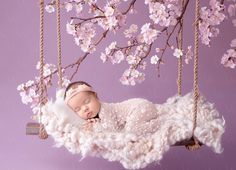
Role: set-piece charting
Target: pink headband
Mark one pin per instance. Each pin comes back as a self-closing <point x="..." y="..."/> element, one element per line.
<point x="73" y="91"/>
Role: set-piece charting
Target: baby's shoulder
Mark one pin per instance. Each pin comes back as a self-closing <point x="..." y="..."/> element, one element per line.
<point x="137" y="101"/>
<point x="129" y="102"/>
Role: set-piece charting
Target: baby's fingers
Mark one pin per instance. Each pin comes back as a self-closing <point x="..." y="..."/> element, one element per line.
<point x="90" y="120"/>
<point x="93" y="120"/>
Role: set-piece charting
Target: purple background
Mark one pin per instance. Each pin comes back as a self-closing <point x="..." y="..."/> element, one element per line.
<point x="19" y="34"/>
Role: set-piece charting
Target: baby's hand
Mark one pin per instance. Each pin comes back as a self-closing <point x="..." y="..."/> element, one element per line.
<point x="90" y="122"/>
<point x="88" y="126"/>
<point x="93" y="120"/>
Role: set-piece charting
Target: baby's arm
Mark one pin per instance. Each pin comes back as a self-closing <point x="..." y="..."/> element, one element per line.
<point x="90" y="124"/>
<point x="142" y="118"/>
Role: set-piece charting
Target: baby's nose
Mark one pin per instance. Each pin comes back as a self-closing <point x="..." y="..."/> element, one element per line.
<point x="85" y="108"/>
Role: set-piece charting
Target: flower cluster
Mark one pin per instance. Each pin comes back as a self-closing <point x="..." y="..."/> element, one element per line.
<point x="129" y="33"/>
<point x="134" y="53"/>
<point x="131" y="76"/>
<point x="89" y="16"/>
<point x="232" y="12"/>
<point x="84" y="35"/>
<point x="148" y="35"/>
<point x="84" y="31"/>
<point x="229" y="59"/>
<point x="165" y="12"/>
<point x="209" y="19"/>
<point x="30" y="91"/>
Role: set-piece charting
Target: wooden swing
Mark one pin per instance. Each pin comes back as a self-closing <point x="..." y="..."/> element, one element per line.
<point x="33" y="128"/>
<point x="38" y="128"/>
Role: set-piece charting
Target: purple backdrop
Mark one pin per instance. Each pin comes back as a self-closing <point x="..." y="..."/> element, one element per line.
<point x="19" y="34"/>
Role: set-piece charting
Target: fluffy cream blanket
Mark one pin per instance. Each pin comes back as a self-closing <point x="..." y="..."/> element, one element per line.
<point x="132" y="150"/>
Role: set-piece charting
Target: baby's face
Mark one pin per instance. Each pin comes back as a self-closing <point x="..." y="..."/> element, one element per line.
<point x="86" y="105"/>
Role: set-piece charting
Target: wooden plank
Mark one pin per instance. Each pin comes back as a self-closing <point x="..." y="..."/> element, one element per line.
<point x="186" y="142"/>
<point x="32" y="128"/>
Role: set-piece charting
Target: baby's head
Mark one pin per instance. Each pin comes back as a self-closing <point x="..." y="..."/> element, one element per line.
<point x="80" y="97"/>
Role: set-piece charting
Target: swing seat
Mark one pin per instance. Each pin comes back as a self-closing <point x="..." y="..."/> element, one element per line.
<point x="32" y="128"/>
<point x="187" y="142"/>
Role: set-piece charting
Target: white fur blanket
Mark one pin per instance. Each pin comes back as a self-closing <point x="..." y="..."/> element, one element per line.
<point x="135" y="152"/>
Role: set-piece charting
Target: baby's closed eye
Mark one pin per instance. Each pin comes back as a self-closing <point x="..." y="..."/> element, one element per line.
<point x="77" y="109"/>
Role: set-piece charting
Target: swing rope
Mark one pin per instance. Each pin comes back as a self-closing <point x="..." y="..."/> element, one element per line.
<point x="195" y="83"/>
<point x="180" y="46"/>
<point x="59" y="42"/>
<point x="193" y="141"/>
<point x="42" y="132"/>
<point x="195" y="71"/>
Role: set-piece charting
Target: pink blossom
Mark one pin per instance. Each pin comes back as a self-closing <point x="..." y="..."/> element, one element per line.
<point x="157" y="50"/>
<point x="70" y="28"/>
<point x="109" y="11"/>
<point x="103" y="57"/>
<point x="20" y="87"/>
<point x="214" y="32"/>
<point x="121" y="19"/>
<point x="36" y="109"/>
<point x="65" y="82"/>
<point x="111" y="47"/>
<point x="29" y="83"/>
<point x="131" y="59"/>
<point x="143" y="65"/>
<point x="188" y="55"/>
<point x="112" y="22"/>
<point x="148" y="35"/>
<point x="209" y="19"/>
<point x="50" y="8"/>
<point x="78" y="8"/>
<point x="132" y="30"/>
<point x="232" y="10"/>
<point x="77" y="41"/>
<point x="108" y="23"/>
<point x="233" y="43"/>
<point x="234" y="22"/>
<point x="164" y="13"/>
<point x="84" y="35"/>
<point x="90" y="2"/>
<point x="154" y="59"/>
<point x="229" y="59"/>
<point x="131" y="76"/>
<point x="117" y="57"/>
<point x="68" y="6"/>
<point x="178" y="53"/>
<point x="25" y="98"/>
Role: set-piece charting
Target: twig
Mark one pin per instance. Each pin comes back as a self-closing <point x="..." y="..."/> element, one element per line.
<point x="169" y="35"/>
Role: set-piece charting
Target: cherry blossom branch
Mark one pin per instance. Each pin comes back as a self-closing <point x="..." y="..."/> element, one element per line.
<point x="102" y="37"/>
<point x="78" y="62"/>
<point x="169" y="36"/>
<point x="146" y="55"/>
<point x="88" y="19"/>
<point x="95" y="6"/>
<point x="131" y="5"/>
